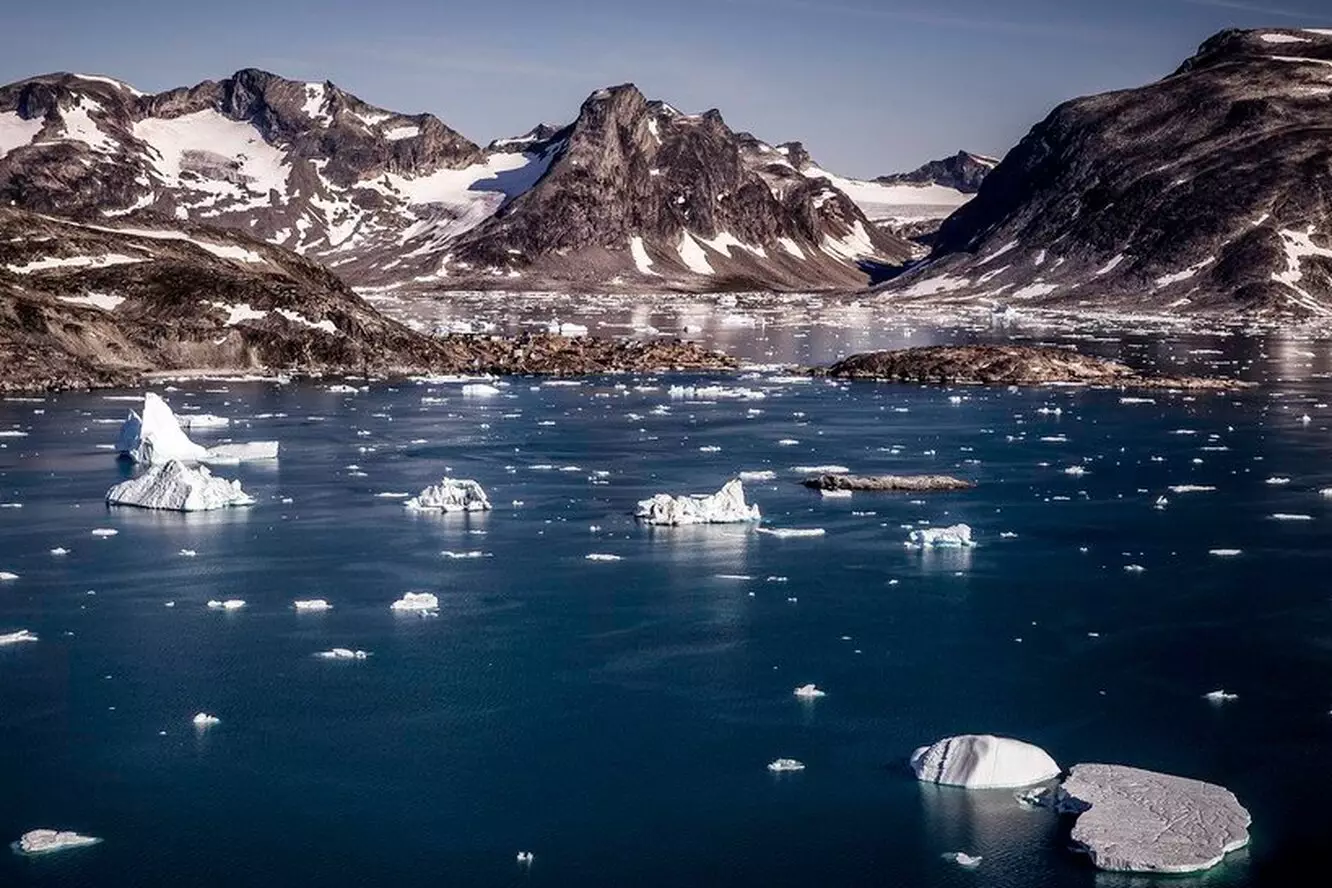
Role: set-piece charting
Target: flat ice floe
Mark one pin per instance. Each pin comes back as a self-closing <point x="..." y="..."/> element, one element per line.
<point x="450" y="495"/>
<point x="726" y="506"/>
<point x="784" y="765"/>
<point x="1131" y="820"/>
<point x="963" y="859"/>
<point x="229" y="604"/>
<point x="759" y="475"/>
<point x="203" y="421"/>
<point x="176" y="487"/>
<point x="45" y="841"/>
<point x="246" y="451"/>
<point x="954" y="537"/>
<point x="416" y="601"/>
<point x="792" y="532"/>
<point x="983" y="761"/>
<point x="343" y="654"/>
<point x="307" y="605"/>
<point x="601" y="556"/>
<point x="17" y="637"/>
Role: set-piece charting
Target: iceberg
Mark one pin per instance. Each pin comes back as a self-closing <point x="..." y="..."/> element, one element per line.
<point x="781" y="765"/>
<point x="416" y="601"/>
<point x="726" y="506"/>
<point x="156" y="436"/>
<point x="44" y="841"/>
<point x="312" y="604"/>
<point x="203" y="421"/>
<point x="177" y="487"/>
<point x="526" y="856"/>
<point x="204" y="720"/>
<point x="809" y="692"/>
<point x="450" y="495"/>
<point x="983" y="761"/>
<point x="1131" y="820"/>
<point x="342" y="654"/>
<point x="16" y="637"/>
<point x="1219" y="696"/>
<point x="7" y="575"/>
<point x="953" y="537"/>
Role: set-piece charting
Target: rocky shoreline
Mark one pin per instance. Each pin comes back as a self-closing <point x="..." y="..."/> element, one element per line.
<point x="1009" y="365"/>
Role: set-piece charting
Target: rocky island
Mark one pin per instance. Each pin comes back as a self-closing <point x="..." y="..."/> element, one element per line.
<point x="1008" y="365"/>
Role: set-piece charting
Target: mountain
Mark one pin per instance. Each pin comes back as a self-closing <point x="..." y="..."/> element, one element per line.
<point x="90" y="304"/>
<point x="632" y="195"/>
<point x="963" y="172"/>
<point x="98" y="303"/>
<point x="1207" y="191"/>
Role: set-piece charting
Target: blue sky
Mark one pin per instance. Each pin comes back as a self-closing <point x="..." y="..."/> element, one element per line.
<point x="870" y="86"/>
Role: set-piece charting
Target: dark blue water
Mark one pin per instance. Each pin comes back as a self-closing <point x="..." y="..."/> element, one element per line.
<point x="616" y="718"/>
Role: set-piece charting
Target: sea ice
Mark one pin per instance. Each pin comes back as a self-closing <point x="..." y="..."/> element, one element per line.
<point x="104" y="531"/>
<point x="726" y="506"/>
<point x="59" y="550"/>
<point x="230" y="604"/>
<point x="17" y="637"/>
<point x="156" y="436"/>
<point x="204" y="720"/>
<point x="781" y="765"/>
<point x="600" y="556"/>
<point x="956" y="536"/>
<point x="983" y="761"/>
<point x="1131" y="820"/>
<point x="1219" y="696"/>
<point x="176" y="487"/>
<point x="809" y="692"/>
<point x="44" y="841"/>
<point x="312" y="604"/>
<point x="450" y="495"/>
<point x="416" y="601"/>
<point x="6" y="576"/>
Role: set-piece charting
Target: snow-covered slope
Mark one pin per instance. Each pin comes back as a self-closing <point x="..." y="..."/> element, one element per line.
<point x="631" y="194"/>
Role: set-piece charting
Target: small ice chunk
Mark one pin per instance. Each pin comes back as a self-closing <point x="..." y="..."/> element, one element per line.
<point x="983" y="761"/>
<point x="1224" y="553"/>
<point x="7" y="576"/>
<point x="1191" y="488"/>
<point x="1284" y="516"/>
<point x="835" y="494"/>
<point x="783" y="764"/>
<point x="768" y="475"/>
<point x="956" y="536"/>
<point x="1075" y="471"/>
<point x="193" y="421"/>
<point x="187" y="553"/>
<point x="17" y="637"/>
<point x="230" y="604"/>
<point x="450" y="495"/>
<point x="601" y="556"/>
<point x="312" y="604"/>
<point x="44" y="841"/>
<point x="1219" y="696"/>
<point x="416" y="601"/>
<point x="526" y="857"/>
<point x="726" y="506"/>
<point x="105" y="532"/>
<point x="479" y="390"/>
<point x="821" y="470"/>
<point x="792" y="532"/>
<point x="204" y="720"/>
<point x="248" y="451"/>
<point x="342" y="654"/>
<point x="59" y="550"/>
<point x="809" y="692"/>
<point x="1134" y="568"/>
<point x="963" y="859"/>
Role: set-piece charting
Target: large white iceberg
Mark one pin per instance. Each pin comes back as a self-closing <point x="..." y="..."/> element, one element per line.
<point x="178" y="488"/>
<point x="726" y="506"/>
<point x="954" y="537"/>
<point x="983" y="761"/>
<point x="1140" y="821"/>
<point x="450" y="495"/>
<point x="43" y="841"/>
<point x="156" y="436"/>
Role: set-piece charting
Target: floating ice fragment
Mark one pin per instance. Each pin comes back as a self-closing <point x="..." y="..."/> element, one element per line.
<point x="783" y="764"/>
<point x="156" y="436"/>
<point x="835" y="494"/>
<point x="311" y="604"/>
<point x="726" y="506"/>
<point x="1134" y="568"/>
<point x="792" y="532"/>
<point x="17" y="637"/>
<point x="599" y="556"/>
<point x="204" y="720"/>
<point x="450" y="495"/>
<point x="962" y="859"/>
<point x="526" y="857"/>
<point x="1276" y="481"/>
<point x="479" y="390"/>
<point x="714" y="393"/>
<point x="45" y="841"/>
<point x="247" y="451"/>
<point x="809" y="692"/>
<point x="59" y="550"/>
<point x="1075" y="471"/>
<point x="956" y="536"/>
<point x="1284" y="516"/>
<point x="229" y="604"/>
<point x="821" y="470"/>
<point x="1224" y="553"/>
<point x="416" y="601"/>
<point x="7" y="576"/>
<point x="176" y="487"/>
<point x="105" y="532"/>
<point x="1191" y="488"/>
<point x="342" y="654"/>
<point x="187" y="553"/>
<point x="1219" y="696"/>
<point x="767" y="475"/>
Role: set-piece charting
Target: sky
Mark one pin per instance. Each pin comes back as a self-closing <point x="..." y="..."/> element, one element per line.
<point x="870" y="86"/>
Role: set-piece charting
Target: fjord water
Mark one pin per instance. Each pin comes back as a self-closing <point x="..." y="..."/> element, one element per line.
<point x="616" y="717"/>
